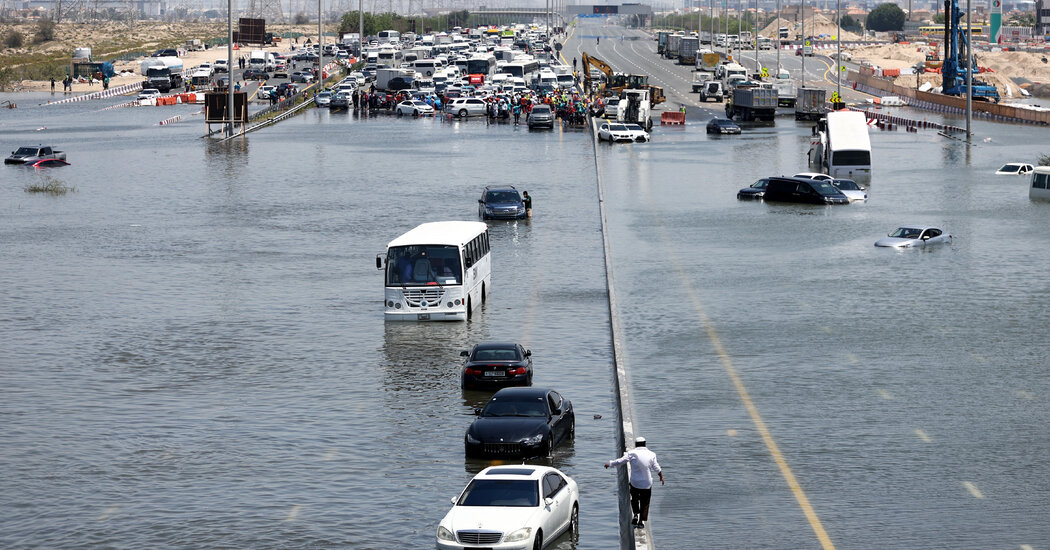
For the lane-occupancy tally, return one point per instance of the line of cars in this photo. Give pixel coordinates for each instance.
(524, 506)
(816, 188)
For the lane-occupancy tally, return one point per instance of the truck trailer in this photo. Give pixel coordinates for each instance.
(752, 103)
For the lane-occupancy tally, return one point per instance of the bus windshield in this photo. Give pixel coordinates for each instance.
(423, 265)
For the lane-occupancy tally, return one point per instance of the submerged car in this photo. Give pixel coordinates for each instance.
(323, 99)
(850, 188)
(497, 364)
(756, 191)
(814, 176)
(1015, 169)
(802, 190)
(521, 422)
(511, 507)
(911, 236)
(501, 202)
(414, 107)
(722, 126)
(615, 131)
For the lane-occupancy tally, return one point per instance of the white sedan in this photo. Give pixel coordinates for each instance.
(911, 236)
(615, 131)
(1015, 169)
(511, 507)
(414, 107)
(850, 188)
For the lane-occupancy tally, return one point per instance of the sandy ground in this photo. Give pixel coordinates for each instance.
(146, 35)
(815, 26)
(1005, 67)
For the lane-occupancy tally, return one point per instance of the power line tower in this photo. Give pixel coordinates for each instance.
(269, 10)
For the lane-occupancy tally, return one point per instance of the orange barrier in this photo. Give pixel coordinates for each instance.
(891, 72)
(672, 117)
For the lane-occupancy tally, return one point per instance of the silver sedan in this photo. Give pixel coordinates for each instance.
(911, 236)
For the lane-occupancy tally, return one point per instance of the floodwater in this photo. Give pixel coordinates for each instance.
(195, 355)
(194, 348)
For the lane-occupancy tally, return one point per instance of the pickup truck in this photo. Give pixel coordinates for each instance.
(32, 155)
(699, 79)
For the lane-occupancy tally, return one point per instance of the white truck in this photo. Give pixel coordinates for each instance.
(257, 60)
(634, 107)
(385, 75)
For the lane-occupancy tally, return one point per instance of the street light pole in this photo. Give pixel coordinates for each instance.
(229, 67)
(778, 38)
(803, 47)
(969, 76)
(838, 62)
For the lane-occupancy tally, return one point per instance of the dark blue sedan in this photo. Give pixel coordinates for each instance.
(722, 126)
(501, 203)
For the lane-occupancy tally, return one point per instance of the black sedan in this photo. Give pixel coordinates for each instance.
(756, 191)
(254, 74)
(497, 364)
(722, 126)
(521, 422)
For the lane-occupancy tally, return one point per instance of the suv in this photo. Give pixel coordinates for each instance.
(466, 106)
(712, 90)
(541, 117)
(501, 202)
(166, 52)
(803, 190)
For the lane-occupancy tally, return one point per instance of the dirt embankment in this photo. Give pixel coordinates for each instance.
(1029, 69)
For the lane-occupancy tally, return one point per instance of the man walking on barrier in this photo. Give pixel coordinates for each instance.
(643, 463)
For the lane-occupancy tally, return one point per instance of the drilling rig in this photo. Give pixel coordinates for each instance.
(955, 67)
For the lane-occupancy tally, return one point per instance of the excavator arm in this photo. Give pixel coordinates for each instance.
(588, 62)
(619, 82)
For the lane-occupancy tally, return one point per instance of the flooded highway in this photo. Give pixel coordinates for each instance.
(195, 354)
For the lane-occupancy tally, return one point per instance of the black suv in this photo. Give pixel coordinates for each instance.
(167, 52)
(807, 191)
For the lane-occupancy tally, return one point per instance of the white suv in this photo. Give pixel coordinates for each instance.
(466, 106)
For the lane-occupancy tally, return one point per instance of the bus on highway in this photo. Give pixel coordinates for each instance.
(439, 271)
(522, 69)
(483, 64)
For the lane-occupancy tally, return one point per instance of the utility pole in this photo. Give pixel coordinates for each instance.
(229, 67)
(838, 56)
(778, 38)
(969, 76)
(803, 43)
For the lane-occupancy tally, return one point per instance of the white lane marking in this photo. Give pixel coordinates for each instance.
(852, 358)
(923, 435)
(293, 513)
(108, 512)
(1025, 394)
(1027, 547)
(973, 489)
(826, 329)
(329, 455)
(885, 395)
(731, 432)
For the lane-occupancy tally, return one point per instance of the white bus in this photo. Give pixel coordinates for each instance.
(1040, 188)
(439, 271)
(483, 64)
(847, 152)
(389, 37)
(521, 69)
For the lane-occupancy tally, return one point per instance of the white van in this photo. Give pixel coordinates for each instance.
(1040, 187)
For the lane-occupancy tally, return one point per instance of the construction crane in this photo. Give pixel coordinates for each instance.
(955, 65)
(618, 82)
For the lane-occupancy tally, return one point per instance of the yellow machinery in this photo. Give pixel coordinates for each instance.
(618, 82)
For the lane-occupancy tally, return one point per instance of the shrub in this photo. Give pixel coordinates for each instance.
(13, 39)
(301, 19)
(45, 30)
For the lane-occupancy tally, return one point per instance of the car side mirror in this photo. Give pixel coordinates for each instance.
(464, 353)
(469, 262)
(548, 501)
(379, 262)
(557, 411)
(454, 499)
(925, 237)
(528, 353)
(481, 201)
(477, 412)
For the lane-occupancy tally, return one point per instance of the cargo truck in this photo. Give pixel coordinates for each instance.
(787, 92)
(661, 41)
(687, 50)
(162, 78)
(671, 50)
(752, 103)
(811, 104)
(708, 60)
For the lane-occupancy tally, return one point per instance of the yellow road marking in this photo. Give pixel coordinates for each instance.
(756, 417)
(1026, 547)
(922, 435)
(885, 395)
(731, 433)
(973, 489)
(826, 329)
(293, 513)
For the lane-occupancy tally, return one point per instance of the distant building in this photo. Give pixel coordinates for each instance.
(1042, 17)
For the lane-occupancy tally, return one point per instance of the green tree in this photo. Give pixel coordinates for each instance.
(45, 30)
(938, 19)
(850, 24)
(885, 17)
(301, 18)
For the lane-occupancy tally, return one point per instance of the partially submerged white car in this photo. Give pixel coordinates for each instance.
(617, 131)
(511, 507)
(1015, 169)
(912, 236)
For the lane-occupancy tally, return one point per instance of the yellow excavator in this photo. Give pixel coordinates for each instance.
(618, 82)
